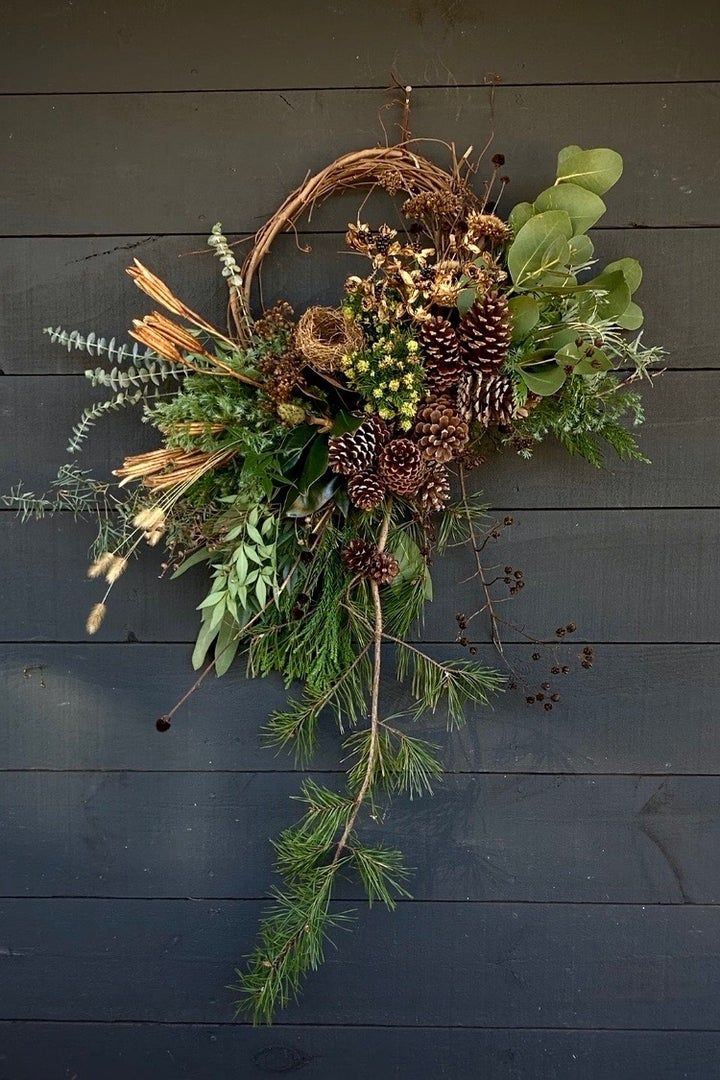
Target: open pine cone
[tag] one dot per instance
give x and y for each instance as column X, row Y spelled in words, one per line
column 363, row 557
column 440, row 346
column 434, row 491
column 401, row 466
column 440, row 432
column 485, row 332
column 356, row 451
column 366, row 490
column 490, row 399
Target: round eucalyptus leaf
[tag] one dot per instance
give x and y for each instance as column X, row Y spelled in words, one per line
column 545, row 380
column 524, row 315
column 583, row 207
column 539, row 253
column 631, row 271
column 632, row 317
column 597, row 170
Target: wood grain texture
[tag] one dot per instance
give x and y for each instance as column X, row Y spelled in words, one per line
column 343, row 44
column 683, row 415
column 594, row 966
column 642, row 709
column 481, row 838
column 209, row 1052
column 179, row 162
column 645, row 560
column 80, row 284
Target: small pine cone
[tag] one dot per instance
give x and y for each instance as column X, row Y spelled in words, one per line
column 490, row 399
column 358, row 555
column 440, row 346
column 364, row 558
column 440, row 432
column 434, row 491
column 401, row 466
column 485, row 332
column 366, row 490
column 354, row 452
column 385, row 568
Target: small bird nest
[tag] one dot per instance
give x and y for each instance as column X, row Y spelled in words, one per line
column 324, row 335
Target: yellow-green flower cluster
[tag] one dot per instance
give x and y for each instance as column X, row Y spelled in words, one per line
column 388, row 374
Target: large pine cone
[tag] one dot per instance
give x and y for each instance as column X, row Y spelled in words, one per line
column 356, row 451
column 366, row 490
column 364, row 558
column 440, row 346
column 489, row 399
column 485, row 332
column 440, row 432
column 401, row 466
column 434, row 491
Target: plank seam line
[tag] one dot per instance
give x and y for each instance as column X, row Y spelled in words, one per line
column 151, row 236
column 300, row 1024
column 190, row 642
column 508, row 774
column 379, row 87
column 400, row 902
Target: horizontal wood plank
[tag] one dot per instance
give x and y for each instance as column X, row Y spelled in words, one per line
column 620, row 575
column 594, row 966
column 498, row 838
column 642, row 709
column 207, row 1052
column 343, row 44
column 179, row 162
column 682, row 409
column 80, row 284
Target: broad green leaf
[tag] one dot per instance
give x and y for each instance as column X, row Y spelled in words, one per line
column 211, row 600
column 597, row 170
column 226, row 645
column 544, row 380
column 254, row 533
column 631, row 271
column 520, row 215
column 585, row 359
column 632, row 317
column 583, row 207
column 318, row 495
column 540, row 251
column 524, row 315
column 562, row 338
column 538, row 356
column 465, row 300
column 261, row 592
column 614, row 298
column 315, row 463
column 345, row 422
column 192, row 560
column 582, row 250
column 205, row 639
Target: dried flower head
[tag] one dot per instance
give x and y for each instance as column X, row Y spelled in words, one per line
column 100, row 565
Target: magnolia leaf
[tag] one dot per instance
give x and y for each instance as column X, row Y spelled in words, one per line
column 520, row 215
column 632, row 317
column 310, row 502
column 597, row 170
column 345, row 422
column 544, row 380
column 582, row 250
column 524, row 315
column 315, row 465
column 583, row 207
column 540, row 250
column 631, row 271
column 465, row 300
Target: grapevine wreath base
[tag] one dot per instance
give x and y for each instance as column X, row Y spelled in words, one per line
column 316, row 465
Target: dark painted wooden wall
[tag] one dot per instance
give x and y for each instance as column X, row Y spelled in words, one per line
column 566, row 919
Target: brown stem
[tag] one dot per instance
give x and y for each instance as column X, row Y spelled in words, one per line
column 489, row 603
column 374, row 703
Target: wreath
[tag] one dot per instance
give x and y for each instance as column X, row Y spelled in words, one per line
column 316, row 465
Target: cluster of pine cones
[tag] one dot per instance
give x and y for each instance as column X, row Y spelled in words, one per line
column 464, row 363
